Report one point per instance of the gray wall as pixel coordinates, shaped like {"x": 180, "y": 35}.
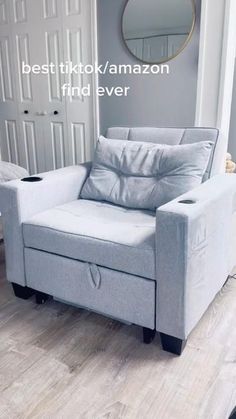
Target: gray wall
{"x": 154, "y": 100}
{"x": 232, "y": 135}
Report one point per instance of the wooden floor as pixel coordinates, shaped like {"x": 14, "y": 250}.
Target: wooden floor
{"x": 60, "y": 362}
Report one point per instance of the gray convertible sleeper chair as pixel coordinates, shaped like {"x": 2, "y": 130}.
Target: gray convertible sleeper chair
{"x": 159, "y": 270}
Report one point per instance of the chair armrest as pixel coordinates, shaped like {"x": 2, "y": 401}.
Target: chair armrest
{"x": 21, "y": 200}
{"x": 193, "y": 249}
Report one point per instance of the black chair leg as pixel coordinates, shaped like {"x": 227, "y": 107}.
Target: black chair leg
{"x": 148, "y": 335}
{"x": 22, "y": 292}
{"x": 233, "y": 414}
{"x": 40, "y": 297}
{"x": 172, "y": 344}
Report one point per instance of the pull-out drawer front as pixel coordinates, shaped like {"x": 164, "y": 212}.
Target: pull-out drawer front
{"x": 123, "y": 296}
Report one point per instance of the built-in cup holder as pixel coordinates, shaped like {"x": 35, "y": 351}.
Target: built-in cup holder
{"x": 187, "y": 201}
{"x": 31, "y": 179}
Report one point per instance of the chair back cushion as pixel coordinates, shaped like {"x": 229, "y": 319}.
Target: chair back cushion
{"x": 169, "y": 136}
{"x": 144, "y": 175}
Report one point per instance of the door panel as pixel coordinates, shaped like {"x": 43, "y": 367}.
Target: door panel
{"x": 12, "y": 143}
{"x": 53, "y": 53}
{"x": 50, "y": 9}
{"x": 74, "y": 54}
{"x": 6, "y": 91}
{"x": 4, "y": 15}
{"x": 73, "y": 7}
{"x": 53, "y": 103}
{"x": 77, "y": 48}
{"x": 21, "y": 130}
{"x": 20, "y": 15}
{"x": 78, "y": 142}
{"x": 58, "y": 144}
{"x": 30, "y": 144}
{"x": 23, "y": 55}
{"x": 9, "y": 127}
{"x": 68, "y": 38}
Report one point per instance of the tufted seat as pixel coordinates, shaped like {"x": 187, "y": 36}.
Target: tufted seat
{"x": 96, "y": 232}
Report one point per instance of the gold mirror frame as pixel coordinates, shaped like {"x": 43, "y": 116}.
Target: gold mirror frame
{"x": 173, "y": 56}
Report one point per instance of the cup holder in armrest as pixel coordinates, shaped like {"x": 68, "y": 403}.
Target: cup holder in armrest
{"x": 31, "y": 179}
{"x": 187, "y": 201}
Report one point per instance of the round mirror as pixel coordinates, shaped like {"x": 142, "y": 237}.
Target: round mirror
{"x": 155, "y": 31}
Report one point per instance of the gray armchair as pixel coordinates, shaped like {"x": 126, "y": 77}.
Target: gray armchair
{"x": 157, "y": 270}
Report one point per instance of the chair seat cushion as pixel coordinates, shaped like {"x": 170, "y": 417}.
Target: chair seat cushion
{"x": 97, "y": 232}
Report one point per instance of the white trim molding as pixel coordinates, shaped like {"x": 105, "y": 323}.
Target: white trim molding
{"x": 216, "y": 71}
{"x": 96, "y": 121}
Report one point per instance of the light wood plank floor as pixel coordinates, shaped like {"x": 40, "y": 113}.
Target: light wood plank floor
{"x": 60, "y": 362}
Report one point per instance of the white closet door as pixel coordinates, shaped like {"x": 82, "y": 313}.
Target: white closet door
{"x": 68, "y": 121}
{"x": 155, "y": 49}
{"x": 20, "y": 129}
{"x": 77, "y": 37}
{"x": 53, "y": 106}
{"x": 56, "y": 131}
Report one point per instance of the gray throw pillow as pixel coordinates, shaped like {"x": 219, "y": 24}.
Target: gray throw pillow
{"x": 144, "y": 175}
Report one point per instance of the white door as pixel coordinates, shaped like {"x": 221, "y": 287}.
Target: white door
{"x": 155, "y": 49}
{"x": 20, "y": 129}
{"x": 40, "y": 129}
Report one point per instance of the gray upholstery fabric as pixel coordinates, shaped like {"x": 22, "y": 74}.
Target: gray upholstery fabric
{"x": 169, "y": 136}
{"x": 123, "y": 296}
{"x": 96, "y": 232}
{"x": 144, "y": 175}
{"x": 21, "y": 200}
{"x": 194, "y": 245}
{"x": 193, "y": 253}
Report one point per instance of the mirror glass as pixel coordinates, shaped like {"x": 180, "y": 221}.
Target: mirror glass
{"x": 155, "y": 31}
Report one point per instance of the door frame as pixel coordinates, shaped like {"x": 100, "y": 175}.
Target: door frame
{"x": 95, "y": 78}
{"x": 216, "y": 72}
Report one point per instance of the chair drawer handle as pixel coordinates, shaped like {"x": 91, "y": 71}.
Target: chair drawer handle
{"x": 94, "y": 275}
